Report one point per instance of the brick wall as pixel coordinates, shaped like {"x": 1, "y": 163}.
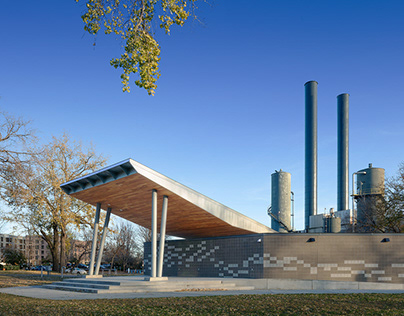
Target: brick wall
{"x": 338, "y": 257}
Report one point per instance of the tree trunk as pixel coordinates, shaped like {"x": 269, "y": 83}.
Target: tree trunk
{"x": 62, "y": 249}
{"x": 55, "y": 250}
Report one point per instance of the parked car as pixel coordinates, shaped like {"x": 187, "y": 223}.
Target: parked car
{"x": 82, "y": 266}
{"x": 76, "y": 271}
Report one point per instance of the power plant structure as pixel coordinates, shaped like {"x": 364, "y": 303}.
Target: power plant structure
{"x": 369, "y": 185}
{"x": 281, "y": 200}
{"x": 219, "y": 242}
{"x": 369, "y": 192}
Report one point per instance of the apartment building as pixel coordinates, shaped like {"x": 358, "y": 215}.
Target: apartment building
{"x": 36, "y": 250}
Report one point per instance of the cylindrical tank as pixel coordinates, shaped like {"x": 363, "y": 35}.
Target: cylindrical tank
{"x": 369, "y": 193}
{"x": 281, "y": 201}
{"x": 332, "y": 224}
{"x": 310, "y": 201}
{"x": 370, "y": 181}
{"x": 343, "y": 151}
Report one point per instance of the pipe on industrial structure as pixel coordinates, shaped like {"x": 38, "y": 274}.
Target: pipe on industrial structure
{"x": 343, "y": 151}
{"x": 310, "y": 152}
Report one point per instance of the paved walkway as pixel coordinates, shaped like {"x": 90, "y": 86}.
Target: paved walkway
{"x": 42, "y": 293}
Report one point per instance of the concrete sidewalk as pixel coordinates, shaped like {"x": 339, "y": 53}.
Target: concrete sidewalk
{"x": 42, "y": 293}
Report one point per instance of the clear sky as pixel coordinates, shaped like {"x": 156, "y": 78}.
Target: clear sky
{"x": 229, "y": 107}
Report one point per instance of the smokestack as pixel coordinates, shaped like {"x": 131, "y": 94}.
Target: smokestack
{"x": 343, "y": 151}
{"x": 310, "y": 152}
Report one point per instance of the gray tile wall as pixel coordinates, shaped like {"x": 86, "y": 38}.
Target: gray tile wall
{"x": 239, "y": 256}
{"x": 343, "y": 257}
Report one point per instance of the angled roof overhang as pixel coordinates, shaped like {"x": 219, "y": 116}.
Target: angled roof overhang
{"x": 127, "y": 186}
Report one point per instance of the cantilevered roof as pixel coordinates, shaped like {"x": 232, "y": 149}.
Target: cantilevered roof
{"x": 127, "y": 187}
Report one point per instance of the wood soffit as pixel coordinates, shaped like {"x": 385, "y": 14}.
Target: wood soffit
{"x": 130, "y": 197}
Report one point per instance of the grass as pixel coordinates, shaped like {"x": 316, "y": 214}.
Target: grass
{"x": 303, "y": 304}
{"x": 307, "y": 304}
{"x": 13, "y": 278}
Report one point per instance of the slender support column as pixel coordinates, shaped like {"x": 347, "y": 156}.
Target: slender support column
{"x": 162, "y": 236}
{"x": 154, "y": 234}
{"x": 104, "y": 233}
{"x": 95, "y": 234}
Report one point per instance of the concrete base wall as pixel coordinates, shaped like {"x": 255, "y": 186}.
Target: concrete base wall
{"x": 313, "y": 257}
{"x": 286, "y": 284}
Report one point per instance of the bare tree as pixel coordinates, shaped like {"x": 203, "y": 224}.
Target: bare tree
{"x": 143, "y": 234}
{"x": 15, "y": 133}
{"x": 384, "y": 213}
{"x": 123, "y": 247}
{"x": 2, "y": 220}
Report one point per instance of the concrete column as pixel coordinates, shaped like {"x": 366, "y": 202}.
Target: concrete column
{"x": 162, "y": 236}
{"x": 95, "y": 234}
{"x": 154, "y": 234}
{"x": 104, "y": 233}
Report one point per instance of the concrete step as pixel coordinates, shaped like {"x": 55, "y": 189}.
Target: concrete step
{"x": 87, "y": 285}
{"x": 71, "y": 288}
{"x": 102, "y": 286}
{"x": 95, "y": 281}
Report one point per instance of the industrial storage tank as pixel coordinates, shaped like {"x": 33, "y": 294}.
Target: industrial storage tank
{"x": 332, "y": 224}
{"x": 281, "y": 201}
{"x": 369, "y": 196}
{"x": 370, "y": 181}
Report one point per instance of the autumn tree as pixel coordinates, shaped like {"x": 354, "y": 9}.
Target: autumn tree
{"x": 133, "y": 21}
{"x": 33, "y": 193}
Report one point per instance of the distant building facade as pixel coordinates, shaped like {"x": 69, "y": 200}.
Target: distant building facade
{"x": 34, "y": 248}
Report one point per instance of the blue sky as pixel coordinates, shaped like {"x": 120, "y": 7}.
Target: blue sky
{"x": 229, "y": 107}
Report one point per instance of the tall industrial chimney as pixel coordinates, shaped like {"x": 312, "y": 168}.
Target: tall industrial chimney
{"x": 343, "y": 152}
{"x": 310, "y": 152}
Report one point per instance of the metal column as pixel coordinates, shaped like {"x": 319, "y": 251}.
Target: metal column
{"x": 343, "y": 152}
{"x": 162, "y": 236}
{"x": 154, "y": 234}
{"x": 104, "y": 233}
{"x": 95, "y": 234}
{"x": 310, "y": 152}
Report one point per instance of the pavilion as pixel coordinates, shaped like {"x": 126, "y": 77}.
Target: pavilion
{"x": 133, "y": 191}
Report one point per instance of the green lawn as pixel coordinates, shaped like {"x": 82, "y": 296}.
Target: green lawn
{"x": 307, "y": 304}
